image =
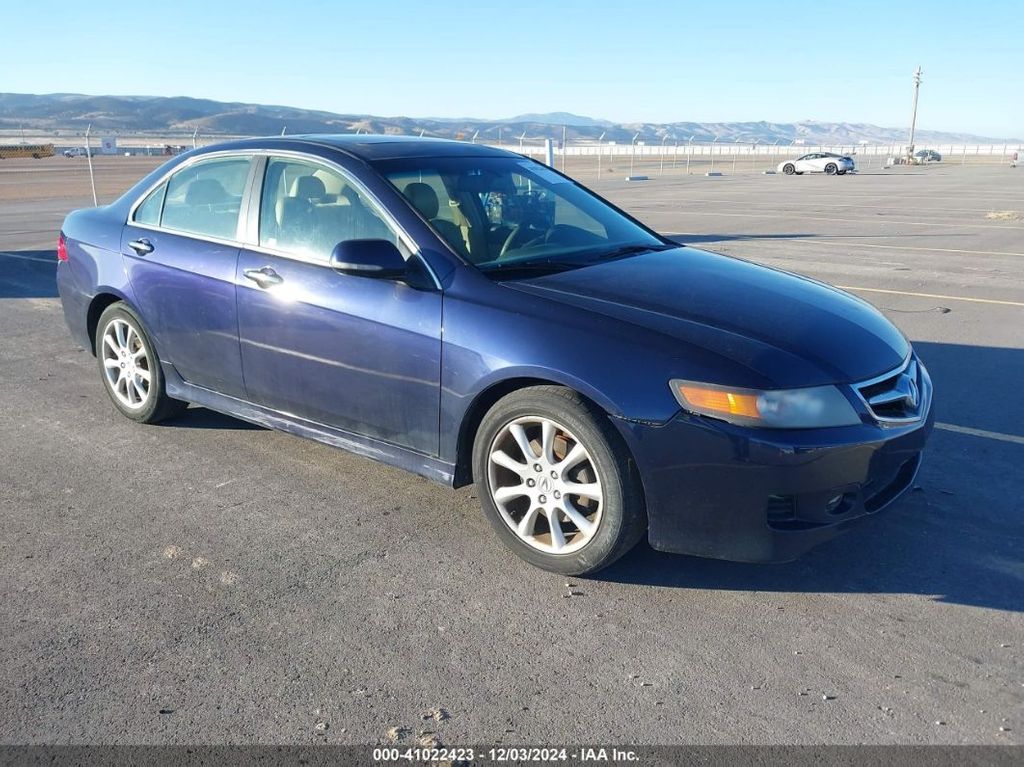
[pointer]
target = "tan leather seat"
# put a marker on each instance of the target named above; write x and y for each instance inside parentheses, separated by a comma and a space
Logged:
(424, 199)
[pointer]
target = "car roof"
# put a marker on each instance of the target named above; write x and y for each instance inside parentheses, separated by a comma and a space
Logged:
(369, 147)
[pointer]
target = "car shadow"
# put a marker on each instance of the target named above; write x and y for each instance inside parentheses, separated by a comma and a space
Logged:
(28, 274)
(957, 537)
(201, 418)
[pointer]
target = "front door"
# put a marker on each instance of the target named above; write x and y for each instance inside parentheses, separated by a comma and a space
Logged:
(359, 354)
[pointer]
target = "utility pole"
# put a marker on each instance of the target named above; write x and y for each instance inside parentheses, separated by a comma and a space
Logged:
(913, 114)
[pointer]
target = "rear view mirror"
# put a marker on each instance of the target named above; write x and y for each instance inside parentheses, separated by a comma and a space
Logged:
(368, 258)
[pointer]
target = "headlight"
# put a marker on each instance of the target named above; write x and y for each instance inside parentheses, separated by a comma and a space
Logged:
(813, 408)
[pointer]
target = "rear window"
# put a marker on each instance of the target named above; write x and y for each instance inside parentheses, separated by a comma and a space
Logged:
(205, 198)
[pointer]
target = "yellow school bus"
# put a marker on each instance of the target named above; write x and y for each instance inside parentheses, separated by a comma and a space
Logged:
(10, 151)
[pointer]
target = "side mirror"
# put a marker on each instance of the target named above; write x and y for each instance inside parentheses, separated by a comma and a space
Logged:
(368, 258)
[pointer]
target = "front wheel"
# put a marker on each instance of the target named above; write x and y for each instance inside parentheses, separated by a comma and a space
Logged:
(789, 169)
(831, 168)
(130, 367)
(556, 482)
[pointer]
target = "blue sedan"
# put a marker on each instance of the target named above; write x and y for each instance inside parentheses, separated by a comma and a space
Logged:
(471, 315)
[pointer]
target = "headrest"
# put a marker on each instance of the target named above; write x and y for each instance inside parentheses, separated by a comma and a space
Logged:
(205, 191)
(423, 198)
(308, 188)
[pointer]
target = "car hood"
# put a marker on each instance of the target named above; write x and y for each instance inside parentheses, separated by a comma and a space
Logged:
(785, 329)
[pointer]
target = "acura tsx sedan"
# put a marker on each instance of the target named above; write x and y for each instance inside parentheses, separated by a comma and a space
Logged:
(474, 316)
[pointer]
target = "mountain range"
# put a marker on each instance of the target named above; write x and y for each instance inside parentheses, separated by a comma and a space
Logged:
(180, 115)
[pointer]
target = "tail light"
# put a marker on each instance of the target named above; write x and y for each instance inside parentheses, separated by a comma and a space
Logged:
(62, 248)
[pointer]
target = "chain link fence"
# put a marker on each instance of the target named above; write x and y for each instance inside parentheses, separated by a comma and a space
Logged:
(665, 158)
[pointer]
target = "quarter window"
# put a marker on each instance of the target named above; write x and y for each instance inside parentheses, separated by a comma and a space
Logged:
(148, 212)
(205, 197)
(306, 209)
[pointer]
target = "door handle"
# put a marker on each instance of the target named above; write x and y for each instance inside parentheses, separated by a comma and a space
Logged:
(264, 277)
(142, 246)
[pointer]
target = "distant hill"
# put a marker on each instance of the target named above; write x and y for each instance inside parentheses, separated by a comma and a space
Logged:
(180, 115)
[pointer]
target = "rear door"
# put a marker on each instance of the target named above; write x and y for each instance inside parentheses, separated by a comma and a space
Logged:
(356, 353)
(180, 248)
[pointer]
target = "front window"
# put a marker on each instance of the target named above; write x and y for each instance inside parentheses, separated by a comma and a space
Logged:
(307, 209)
(503, 213)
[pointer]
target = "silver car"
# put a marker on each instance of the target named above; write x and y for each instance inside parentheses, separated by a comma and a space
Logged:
(818, 162)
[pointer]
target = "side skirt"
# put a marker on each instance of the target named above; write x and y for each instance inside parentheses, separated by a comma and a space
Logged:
(385, 452)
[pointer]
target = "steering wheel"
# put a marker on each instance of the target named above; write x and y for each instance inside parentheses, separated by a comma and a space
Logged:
(520, 236)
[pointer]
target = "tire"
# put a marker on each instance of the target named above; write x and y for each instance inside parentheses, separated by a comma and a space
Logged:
(840, 172)
(611, 515)
(789, 169)
(831, 169)
(129, 356)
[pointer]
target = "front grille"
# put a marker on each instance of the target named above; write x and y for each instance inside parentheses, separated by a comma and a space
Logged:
(897, 396)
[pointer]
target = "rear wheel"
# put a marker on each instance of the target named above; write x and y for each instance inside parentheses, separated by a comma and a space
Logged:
(789, 169)
(556, 481)
(831, 169)
(130, 367)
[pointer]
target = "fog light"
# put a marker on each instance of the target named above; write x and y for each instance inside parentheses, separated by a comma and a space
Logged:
(833, 503)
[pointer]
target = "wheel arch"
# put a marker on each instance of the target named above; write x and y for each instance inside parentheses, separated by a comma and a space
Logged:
(486, 398)
(97, 305)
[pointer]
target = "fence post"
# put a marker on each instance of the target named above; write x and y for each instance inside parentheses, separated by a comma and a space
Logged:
(549, 153)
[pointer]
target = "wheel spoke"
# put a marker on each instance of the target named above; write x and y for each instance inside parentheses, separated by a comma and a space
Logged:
(589, 490)
(143, 374)
(528, 523)
(519, 435)
(128, 389)
(547, 440)
(112, 343)
(557, 536)
(110, 362)
(503, 494)
(504, 460)
(139, 390)
(574, 456)
(583, 524)
(122, 340)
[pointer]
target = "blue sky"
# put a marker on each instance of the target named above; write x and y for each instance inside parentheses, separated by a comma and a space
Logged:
(639, 61)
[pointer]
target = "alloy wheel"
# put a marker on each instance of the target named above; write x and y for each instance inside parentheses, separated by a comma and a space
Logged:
(126, 364)
(545, 485)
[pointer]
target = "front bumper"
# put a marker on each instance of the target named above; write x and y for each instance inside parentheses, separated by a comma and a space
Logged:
(757, 495)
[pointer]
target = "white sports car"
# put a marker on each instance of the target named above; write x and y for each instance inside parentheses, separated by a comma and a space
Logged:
(818, 162)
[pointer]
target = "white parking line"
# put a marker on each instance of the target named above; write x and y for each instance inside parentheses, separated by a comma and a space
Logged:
(28, 258)
(814, 241)
(876, 220)
(933, 295)
(841, 241)
(1012, 438)
(802, 204)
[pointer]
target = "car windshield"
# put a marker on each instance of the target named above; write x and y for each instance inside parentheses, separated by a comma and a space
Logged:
(511, 214)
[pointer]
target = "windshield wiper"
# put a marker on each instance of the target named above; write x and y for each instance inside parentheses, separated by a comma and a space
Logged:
(530, 268)
(628, 250)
